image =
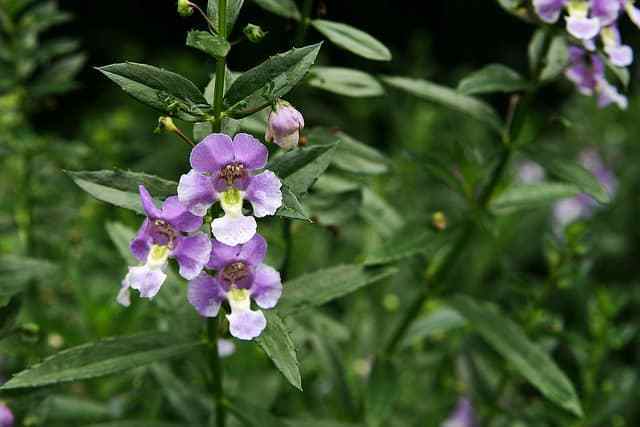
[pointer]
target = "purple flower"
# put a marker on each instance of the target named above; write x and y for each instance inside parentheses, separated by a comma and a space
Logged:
(160, 237)
(569, 210)
(241, 276)
(462, 416)
(226, 347)
(549, 10)
(579, 23)
(6, 416)
(225, 170)
(619, 54)
(587, 71)
(284, 125)
(606, 11)
(530, 172)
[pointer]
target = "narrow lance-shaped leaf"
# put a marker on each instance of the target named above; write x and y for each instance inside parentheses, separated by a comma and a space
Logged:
(436, 323)
(352, 39)
(382, 390)
(345, 81)
(284, 8)
(299, 169)
(163, 90)
(448, 98)
(274, 78)
(528, 196)
(8, 315)
(508, 339)
(556, 59)
(209, 43)
(16, 272)
(492, 78)
(101, 358)
(233, 10)
(320, 287)
(276, 342)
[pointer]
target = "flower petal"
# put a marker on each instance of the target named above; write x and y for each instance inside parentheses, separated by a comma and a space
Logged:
(246, 324)
(175, 213)
(226, 348)
(252, 252)
(124, 296)
(212, 153)
(582, 27)
(606, 11)
(141, 244)
(196, 192)
(267, 286)
(249, 151)
(621, 56)
(148, 204)
(206, 295)
(264, 194)
(192, 253)
(234, 230)
(6, 416)
(549, 10)
(608, 94)
(146, 280)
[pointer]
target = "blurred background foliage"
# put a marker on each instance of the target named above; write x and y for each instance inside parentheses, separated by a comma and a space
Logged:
(577, 296)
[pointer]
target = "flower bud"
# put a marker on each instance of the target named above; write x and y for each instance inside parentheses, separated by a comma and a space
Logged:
(6, 416)
(166, 124)
(254, 33)
(439, 221)
(284, 125)
(185, 8)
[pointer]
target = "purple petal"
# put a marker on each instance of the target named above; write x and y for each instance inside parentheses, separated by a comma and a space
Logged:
(141, 244)
(462, 416)
(633, 13)
(252, 252)
(621, 56)
(267, 287)
(246, 324)
(144, 279)
(234, 230)
(196, 192)
(6, 416)
(176, 215)
(192, 253)
(608, 94)
(264, 194)
(549, 10)
(566, 211)
(212, 153)
(606, 11)
(124, 296)
(148, 204)
(582, 27)
(206, 295)
(249, 151)
(226, 348)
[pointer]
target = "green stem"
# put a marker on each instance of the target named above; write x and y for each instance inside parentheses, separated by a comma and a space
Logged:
(288, 248)
(216, 371)
(304, 22)
(221, 67)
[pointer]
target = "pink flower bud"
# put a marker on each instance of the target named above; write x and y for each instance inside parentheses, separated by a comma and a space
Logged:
(285, 123)
(6, 416)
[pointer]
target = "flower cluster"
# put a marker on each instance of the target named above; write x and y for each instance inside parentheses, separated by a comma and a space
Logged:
(226, 267)
(593, 23)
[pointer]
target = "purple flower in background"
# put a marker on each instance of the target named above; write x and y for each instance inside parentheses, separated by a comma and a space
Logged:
(6, 416)
(606, 11)
(549, 10)
(225, 170)
(530, 172)
(284, 125)
(159, 238)
(579, 22)
(241, 276)
(619, 54)
(568, 210)
(226, 348)
(587, 71)
(462, 416)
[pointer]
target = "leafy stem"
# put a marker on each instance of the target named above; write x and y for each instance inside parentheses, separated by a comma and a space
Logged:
(220, 68)
(216, 371)
(304, 22)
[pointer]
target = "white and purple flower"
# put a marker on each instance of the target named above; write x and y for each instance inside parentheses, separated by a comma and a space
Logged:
(225, 171)
(241, 277)
(162, 236)
(6, 416)
(284, 125)
(462, 416)
(569, 210)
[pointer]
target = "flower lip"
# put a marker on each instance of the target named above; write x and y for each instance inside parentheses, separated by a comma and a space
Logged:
(232, 175)
(237, 274)
(163, 233)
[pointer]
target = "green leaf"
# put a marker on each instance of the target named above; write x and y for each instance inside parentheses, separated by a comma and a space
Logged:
(621, 73)
(352, 39)
(101, 358)
(345, 81)
(135, 423)
(58, 78)
(201, 130)
(493, 78)
(556, 59)
(382, 390)
(284, 8)
(72, 409)
(320, 287)
(448, 98)
(300, 168)
(233, 10)
(163, 90)
(537, 48)
(407, 243)
(335, 208)
(17, 272)
(439, 322)
(574, 173)
(8, 316)
(508, 339)
(274, 78)
(120, 188)
(121, 236)
(291, 206)
(181, 397)
(206, 42)
(529, 196)
(277, 343)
